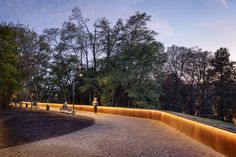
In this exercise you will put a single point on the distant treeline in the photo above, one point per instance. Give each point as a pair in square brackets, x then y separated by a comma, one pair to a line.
[123, 64]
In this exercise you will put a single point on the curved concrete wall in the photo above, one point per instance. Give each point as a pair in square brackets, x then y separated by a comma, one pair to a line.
[220, 140]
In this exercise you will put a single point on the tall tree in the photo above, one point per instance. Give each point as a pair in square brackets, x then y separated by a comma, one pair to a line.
[92, 35]
[203, 86]
[8, 65]
[138, 61]
[188, 69]
[221, 76]
[29, 53]
[174, 70]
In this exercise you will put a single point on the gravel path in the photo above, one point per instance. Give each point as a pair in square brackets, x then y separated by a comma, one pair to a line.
[113, 135]
[20, 126]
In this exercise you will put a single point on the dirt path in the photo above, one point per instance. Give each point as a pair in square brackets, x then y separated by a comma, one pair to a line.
[113, 135]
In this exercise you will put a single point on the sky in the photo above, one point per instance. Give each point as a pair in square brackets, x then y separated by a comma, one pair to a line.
[208, 24]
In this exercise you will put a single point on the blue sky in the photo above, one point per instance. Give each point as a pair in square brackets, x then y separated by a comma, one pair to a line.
[209, 24]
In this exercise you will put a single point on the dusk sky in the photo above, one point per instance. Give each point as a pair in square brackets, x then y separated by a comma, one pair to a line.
[209, 24]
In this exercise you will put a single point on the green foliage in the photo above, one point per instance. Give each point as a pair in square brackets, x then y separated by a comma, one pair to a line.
[221, 75]
[122, 64]
[135, 72]
[8, 65]
[24, 55]
[198, 83]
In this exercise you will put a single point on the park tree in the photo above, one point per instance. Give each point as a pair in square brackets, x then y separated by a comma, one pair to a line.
[111, 58]
[91, 46]
[34, 54]
[27, 53]
[8, 65]
[185, 80]
[135, 66]
[92, 34]
[65, 60]
[107, 39]
[203, 86]
[221, 76]
[174, 86]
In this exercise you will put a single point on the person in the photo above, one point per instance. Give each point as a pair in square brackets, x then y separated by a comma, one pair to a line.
[95, 104]
[65, 105]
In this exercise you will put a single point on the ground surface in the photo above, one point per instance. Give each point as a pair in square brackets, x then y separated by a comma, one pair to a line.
[113, 135]
[25, 125]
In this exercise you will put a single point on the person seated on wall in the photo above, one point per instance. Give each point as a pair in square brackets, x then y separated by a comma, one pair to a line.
[65, 105]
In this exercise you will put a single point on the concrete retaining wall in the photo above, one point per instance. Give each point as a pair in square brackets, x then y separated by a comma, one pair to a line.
[220, 140]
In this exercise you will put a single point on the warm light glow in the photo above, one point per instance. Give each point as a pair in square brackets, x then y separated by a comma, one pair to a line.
[218, 139]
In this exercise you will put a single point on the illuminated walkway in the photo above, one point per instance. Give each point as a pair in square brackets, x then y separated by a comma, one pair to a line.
[113, 135]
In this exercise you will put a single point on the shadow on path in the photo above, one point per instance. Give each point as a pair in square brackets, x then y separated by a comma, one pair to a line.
[22, 126]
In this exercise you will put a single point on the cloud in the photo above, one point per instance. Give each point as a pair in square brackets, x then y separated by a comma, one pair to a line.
[217, 33]
[203, 24]
[224, 3]
[219, 25]
[162, 27]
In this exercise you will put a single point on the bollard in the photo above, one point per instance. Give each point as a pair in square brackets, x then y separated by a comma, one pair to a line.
[47, 107]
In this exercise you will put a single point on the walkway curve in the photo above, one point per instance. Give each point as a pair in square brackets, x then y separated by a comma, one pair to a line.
[113, 136]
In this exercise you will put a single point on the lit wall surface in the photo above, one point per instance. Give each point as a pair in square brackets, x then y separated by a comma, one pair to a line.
[218, 139]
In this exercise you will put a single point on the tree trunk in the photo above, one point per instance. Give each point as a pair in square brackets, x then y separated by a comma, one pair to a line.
[108, 49]
[86, 52]
[81, 60]
[94, 50]
[90, 98]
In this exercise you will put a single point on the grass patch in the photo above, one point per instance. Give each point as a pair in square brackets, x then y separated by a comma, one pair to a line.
[212, 122]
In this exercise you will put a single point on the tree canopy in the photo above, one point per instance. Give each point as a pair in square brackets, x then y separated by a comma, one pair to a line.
[121, 63]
